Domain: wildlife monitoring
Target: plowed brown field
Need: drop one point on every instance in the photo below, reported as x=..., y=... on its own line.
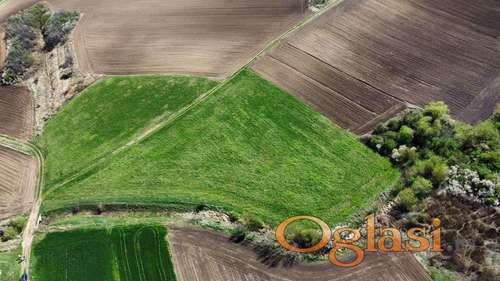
x=16, y=112
x=203, y=37
x=366, y=58
x=17, y=182
x=201, y=255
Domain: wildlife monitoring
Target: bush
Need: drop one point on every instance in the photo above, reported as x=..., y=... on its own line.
x=18, y=224
x=406, y=135
x=238, y=234
x=318, y=2
x=36, y=16
x=304, y=238
x=411, y=118
x=18, y=60
x=405, y=156
x=9, y=234
x=436, y=110
x=407, y=199
x=434, y=169
x=421, y=186
x=21, y=36
x=253, y=223
x=58, y=27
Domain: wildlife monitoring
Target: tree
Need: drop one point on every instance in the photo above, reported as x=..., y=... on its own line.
x=421, y=186
x=436, y=110
x=9, y=234
x=433, y=168
x=407, y=199
x=406, y=135
x=253, y=223
x=18, y=224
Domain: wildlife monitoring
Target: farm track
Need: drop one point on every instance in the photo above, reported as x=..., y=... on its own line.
x=16, y=112
x=210, y=38
x=204, y=255
x=364, y=58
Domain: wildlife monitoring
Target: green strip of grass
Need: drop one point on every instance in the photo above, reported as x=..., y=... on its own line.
x=249, y=148
x=124, y=253
x=108, y=114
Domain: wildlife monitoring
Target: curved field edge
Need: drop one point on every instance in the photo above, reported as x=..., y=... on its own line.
x=120, y=252
x=250, y=148
x=107, y=115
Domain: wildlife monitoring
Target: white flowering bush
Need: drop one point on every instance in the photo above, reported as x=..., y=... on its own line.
x=467, y=184
x=404, y=155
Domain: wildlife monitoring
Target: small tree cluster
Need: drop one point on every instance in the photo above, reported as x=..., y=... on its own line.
x=21, y=35
x=424, y=143
x=59, y=25
x=316, y=3
x=304, y=238
x=253, y=223
x=13, y=229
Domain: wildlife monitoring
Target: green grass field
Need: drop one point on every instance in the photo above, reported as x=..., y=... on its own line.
x=122, y=253
x=249, y=148
x=9, y=267
x=108, y=114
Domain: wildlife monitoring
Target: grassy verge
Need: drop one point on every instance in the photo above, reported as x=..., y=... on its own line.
x=9, y=267
x=250, y=148
x=107, y=115
x=136, y=252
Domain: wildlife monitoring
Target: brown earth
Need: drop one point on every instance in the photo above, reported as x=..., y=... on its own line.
x=204, y=255
x=364, y=59
x=17, y=182
x=203, y=37
x=9, y=7
x=16, y=112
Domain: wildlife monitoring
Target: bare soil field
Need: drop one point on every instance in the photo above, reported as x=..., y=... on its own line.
x=9, y=7
x=364, y=59
x=16, y=112
x=204, y=37
x=204, y=255
x=17, y=182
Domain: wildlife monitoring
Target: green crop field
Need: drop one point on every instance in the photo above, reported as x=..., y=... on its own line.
x=249, y=148
x=108, y=114
x=122, y=253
